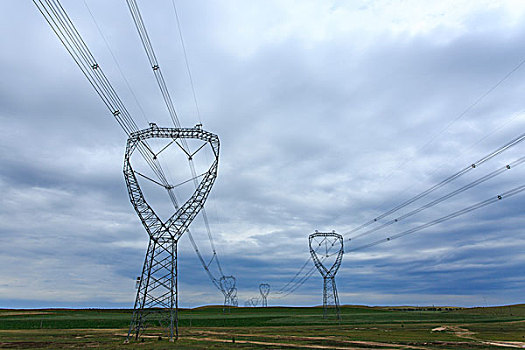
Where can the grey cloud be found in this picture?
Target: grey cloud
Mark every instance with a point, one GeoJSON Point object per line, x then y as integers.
{"type": "Point", "coordinates": [315, 134]}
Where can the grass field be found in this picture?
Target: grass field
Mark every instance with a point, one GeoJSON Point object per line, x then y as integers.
{"type": "Point", "coordinates": [274, 328]}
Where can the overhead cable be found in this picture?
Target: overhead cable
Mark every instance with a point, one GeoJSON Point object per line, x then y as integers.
{"type": "Point", "coordinates": [150, 53]}
{"type": "Point", "coordinates": [449, 179]}
{"type": "Point", "coordinates": [285, 287]}
{"type": "Point", "coordinates": [187, 63]}
{"type": "Point", "coordinates": [295, 282]}
{"type": "Point", "coordinates": [143, 114]}
{"type": "Point", "coordinates": [445, 197]}
{"type": "Point", "coordinates": [63, 27]}
{"type": "Point", "coordinates": [455, 214]}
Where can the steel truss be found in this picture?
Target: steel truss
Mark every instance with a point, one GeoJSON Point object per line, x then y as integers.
{"type": "Point", "coordinates": [264, 289]}
{"type": "Point", "coordinates": [228, 288]}
{"type": "Point", "coordinates": [252, 302]}
{"type": "Point", "coordinates": [333, 244]}
{"type": "Point", "coordinates": [156, 303]}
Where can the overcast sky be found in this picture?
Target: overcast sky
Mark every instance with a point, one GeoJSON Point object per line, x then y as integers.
{"type": "Point", "coordinates": [329, 114]}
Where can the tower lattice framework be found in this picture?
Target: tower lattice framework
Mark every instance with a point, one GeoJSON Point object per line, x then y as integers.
{"type": "Point", "coordinates": [323, 246]}
{"type": "Point", "coordinates": [156, 303]}
{"type": "Point", "coordinates": [264, 289]}
{"type": "Point", "coordinates": [228, 288]}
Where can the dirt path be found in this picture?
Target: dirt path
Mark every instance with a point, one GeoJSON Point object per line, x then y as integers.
{"type": "Point", "coordinates": [467, 334]}
{"type": "Point", "coordinates": [292, 345]}
{"type": "Point", "coordinates": [293, 341]}
{"type": "Point", "coordinates": [372, 344]}
{"type": "Point", "coordinates": [506, 344]}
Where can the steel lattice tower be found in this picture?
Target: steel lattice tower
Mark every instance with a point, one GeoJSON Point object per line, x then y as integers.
{"type": "Point", "coordinates": [156, 303]}
{"type": "Point", "coordinates": [264, 289]}
{"type": "Point", "coordinates": [331, 244]}
{"type": "Point", "coordinates": [227, 285]}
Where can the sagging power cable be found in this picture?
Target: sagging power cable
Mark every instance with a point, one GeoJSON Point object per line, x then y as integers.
{"type": "Point", "coordinates": [67, 33]}
{"type": "Point", "coordinates": [455, 214]}
{"type": "Point", "coordinates": [285, 286]}
{"type": "Point", "coordinates": [65, 30]}
{"type": "Point", "coordinates": [449, 179]}
{"type": "Point", "coordinates": [128, 85]}
{"type": "Point", "coordinates": [292, 285]}
{"type": "Point", "coordinates": [470, 185]}
{"type": "Point", "coordinates": [150, 53]}
{"type": "Point", "coordinates": [187, 62]}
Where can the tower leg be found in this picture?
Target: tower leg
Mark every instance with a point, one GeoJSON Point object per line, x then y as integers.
{"type": "Point", "coordinates": [330, 297]}
{"type": "Point", "coordinates": [156, 303]}
{"type": "Point", "coordinates": [325, 297]}
{"type": "Point", "coordinates": [336, 299]}
{"type": "Point", "coordinates": [176, 285]}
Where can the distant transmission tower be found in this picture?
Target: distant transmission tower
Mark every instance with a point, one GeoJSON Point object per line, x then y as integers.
{"type": "Point", "coordinates": [252, 302]}
{"type": "Point", "coordinates": [227, 285]}
{"type": "Point", "coordinates": [327, 245]}
{"type": "Point", "coordinates": [156, 303]}
{"type": "Point", "coordinates": [264, 289]}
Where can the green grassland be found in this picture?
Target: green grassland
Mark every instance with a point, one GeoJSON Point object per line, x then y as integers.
{"type": "Point", "coordinates": [274, 328]}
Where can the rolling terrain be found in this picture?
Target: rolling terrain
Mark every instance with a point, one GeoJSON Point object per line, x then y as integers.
{"type": "Point", "coordinates": [275, 328]}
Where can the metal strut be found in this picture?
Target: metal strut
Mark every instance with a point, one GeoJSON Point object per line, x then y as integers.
{"type": "Point", "coordinates": [156, 303]}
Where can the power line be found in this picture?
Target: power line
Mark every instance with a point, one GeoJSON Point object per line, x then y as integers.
{"type": "Point", "coordinates": [449, 179]}
{"type": "Point", "coordinates": [445, 197]}
{"type": "Point", "coordinates": [143, 114]}
{"type": "Point", "coordinates": [65, 30]}
{"type": "Point", "coordinates": [187, 63]}
{"type": "Point", "coordinates": [299, 282]}
{"type": "Point", "coordinates": [74, 44]}
{"type": "Point", "coordinates": [477, 101]}
{"type": "Point", "coordinates": [466, 110]}
{"type": "Point", "coordinates": [283, 288]}
{"type": "Point", "coordinates": [455, 214]}
{"type": "Point", "coordinates": [67, 33]}
{"type": "Point", "coordinates": [150, 53]}
{"type": "Point", "coordinates": [290, 286]}
{"type": "Point", "coordinates": [295, 283]}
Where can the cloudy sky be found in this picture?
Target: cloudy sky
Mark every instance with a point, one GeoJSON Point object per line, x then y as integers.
{"type": "Point", "coordinates": [329, 113]}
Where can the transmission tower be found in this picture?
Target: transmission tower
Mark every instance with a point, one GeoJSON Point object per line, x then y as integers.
{"type": "Point", "coordinates": [327, 245]}
{"type": "Point", "coordinates": [227, 285]}
{"type": "Point", "coordinates": [156, 303]}
{"type": "Point", "coordinates": [264, 289]}
{"type": "Point", "coordinates": [254, 301]}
